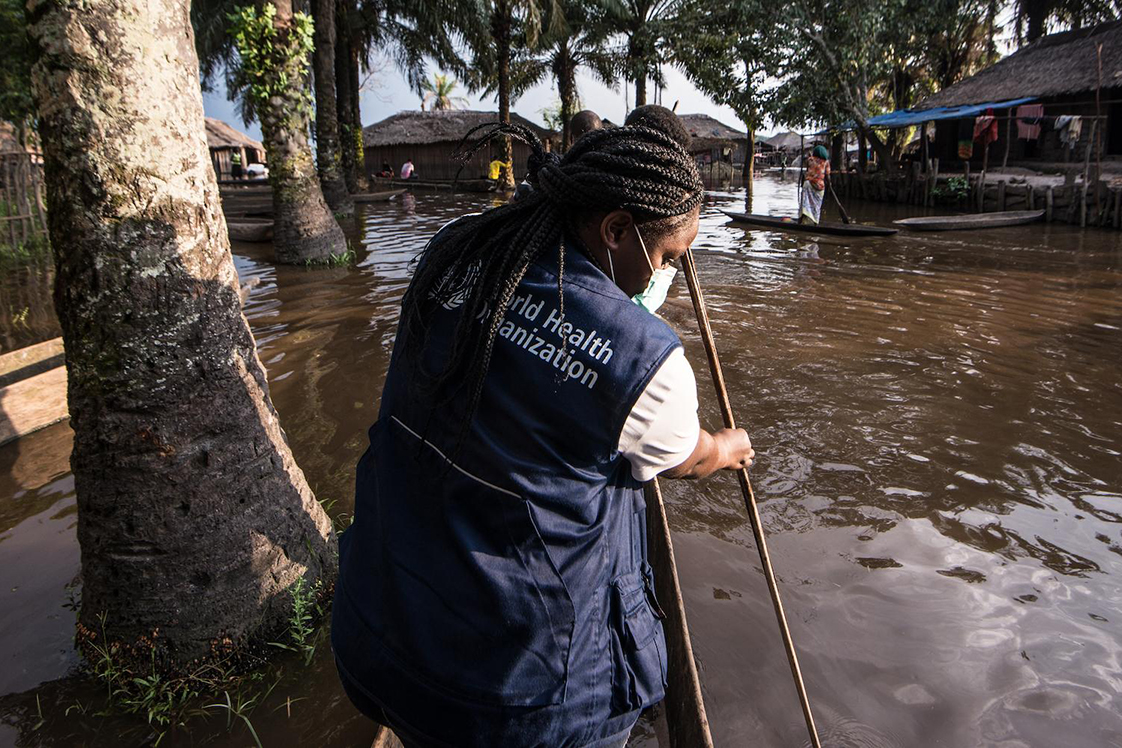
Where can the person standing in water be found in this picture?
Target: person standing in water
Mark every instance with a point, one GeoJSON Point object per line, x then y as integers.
{"type": "Point", "coordinates": [814, 190]}
{"type": "Point", "coordinates": [494, 589]}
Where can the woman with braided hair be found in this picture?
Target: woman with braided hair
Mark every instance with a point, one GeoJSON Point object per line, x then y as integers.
{"type": "Point", "coordinates": [494, 589]}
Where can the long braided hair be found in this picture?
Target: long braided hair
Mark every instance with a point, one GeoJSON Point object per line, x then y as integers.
{"type": "Point", "coordinates": [478, 261]}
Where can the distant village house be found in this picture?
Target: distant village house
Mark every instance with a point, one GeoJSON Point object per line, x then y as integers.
{"type": "Point", "coordinates": [224, 141]}
{"type": "Point", "coordinates": [429, 138]}
{"type": "Point", "coordinates": [1058, 74]}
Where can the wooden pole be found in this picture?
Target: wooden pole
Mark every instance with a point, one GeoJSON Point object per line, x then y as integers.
{"type": "Point", "coordinates": [1049, 199]}
{"type": "Point", "coordinates": [1008, 138]}
{"type": "Point", "coordinates": [690, 268]}
{"type": "Point", "coordinates": [1086, 174]}
{"type": "Point", "coordinates": [1098, 136]}
{"type": "Point", "coordinates": [982, 179]}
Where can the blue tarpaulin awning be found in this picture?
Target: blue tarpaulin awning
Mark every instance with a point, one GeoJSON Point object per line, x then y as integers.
{"type": "Point", "coordinates": [909, 117]}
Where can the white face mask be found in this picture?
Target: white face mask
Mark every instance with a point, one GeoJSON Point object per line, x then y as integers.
{"type": "Point", "coordinates": [655, 293]}
{"type": "Point", "coordinates": [652, 297]}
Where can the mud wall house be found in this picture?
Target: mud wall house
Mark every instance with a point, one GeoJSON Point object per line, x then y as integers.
{"type": "Point", "coordinates": [1058, 71]}
{"type": "Point", "coordinates": [224, 141]}
{"type": "Point", "coordinates": [713, 140]}
{"type": "Point", "coordinates": [428, 139]}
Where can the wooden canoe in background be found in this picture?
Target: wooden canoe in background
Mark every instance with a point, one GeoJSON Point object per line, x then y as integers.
{"type": "Point", "coordinates": [971, 221]}
{"type": "Point", "coordinates": [783, 223]}
{"type": "Point", "coordinates": [377, 197]}
{"type": "Point", "coordinates": [250, 229]}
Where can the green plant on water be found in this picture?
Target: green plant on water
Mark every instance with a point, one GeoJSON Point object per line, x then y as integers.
{"type": "Point", "coordinates": [165, 702]}
{"type": "Point", "coordinates": [240, 709]}
{"type": "Point", "coordinates": [335, 259]}
{"type": "Point", "coordinates": [302, 634]}
{"type": "Point", "coordinates": [952, 191]}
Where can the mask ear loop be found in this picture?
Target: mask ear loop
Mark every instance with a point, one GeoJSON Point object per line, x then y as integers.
{"type": "Point", "coordinates": [611, 267]}
{"type": "Point", "coordinates": [643, 246]}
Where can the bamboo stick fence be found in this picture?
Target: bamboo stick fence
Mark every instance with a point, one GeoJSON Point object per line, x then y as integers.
{"type": "Point", "coordinates": [23, 212]}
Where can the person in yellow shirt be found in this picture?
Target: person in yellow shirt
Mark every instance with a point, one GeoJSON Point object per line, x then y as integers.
{"type": "Point", "coordinates": [496, 169]}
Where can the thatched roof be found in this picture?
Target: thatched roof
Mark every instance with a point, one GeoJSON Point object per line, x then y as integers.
{"type": "Point", "coordinates": [785, 141]}
{"type": "Point", "coordinates": [420, 128]}
{"type": "Point", "coordinates": [220, 135]}
{"type": "Point", "coordinates": [704, 127]}
{"type": "Point", "coordinates": [1053, 65]}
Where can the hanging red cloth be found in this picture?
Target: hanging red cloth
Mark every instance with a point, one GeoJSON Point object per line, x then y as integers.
{"type": "Point", "coordinates": [985, 128]}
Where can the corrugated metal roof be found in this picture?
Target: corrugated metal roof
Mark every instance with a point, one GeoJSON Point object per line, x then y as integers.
{"type": "Point", "coordinates": [909, 117]}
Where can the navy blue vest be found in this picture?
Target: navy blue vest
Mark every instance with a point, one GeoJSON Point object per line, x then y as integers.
{"type": "Point", "coordinates": [504, 599]}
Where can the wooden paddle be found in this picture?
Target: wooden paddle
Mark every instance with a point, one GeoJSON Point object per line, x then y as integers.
{"type": "Point", "coordinates": [841, 208]}
{"type": "Point", "coordinates": [746, 489]}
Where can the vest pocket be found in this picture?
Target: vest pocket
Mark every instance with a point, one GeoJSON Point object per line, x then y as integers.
{"type": "Point", "coordinates": [637, 643]}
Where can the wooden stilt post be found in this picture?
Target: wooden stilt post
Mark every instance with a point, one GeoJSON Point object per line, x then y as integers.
{"type": "Point", "coordinates": [1008, 138]}
{"type": "Point", "coordinates": [1049, 200]}
{"type": "Point", "coordinates": [982, 179]}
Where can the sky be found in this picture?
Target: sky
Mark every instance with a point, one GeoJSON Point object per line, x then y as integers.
{"type": "Point", "coordinates": [387, 93]}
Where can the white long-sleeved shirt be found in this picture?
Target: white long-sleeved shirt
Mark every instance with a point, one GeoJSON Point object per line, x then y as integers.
{"type": "Point", "coordinates": [662, 429]}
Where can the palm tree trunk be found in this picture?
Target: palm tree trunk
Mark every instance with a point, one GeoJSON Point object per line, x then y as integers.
{"type": "Point", "coordinates": [327, 121]}
{"type": "Point", "coordinates": [193, 518]}
{"type": "Point", "coordinates": [501, 23]}
{"type": "Point", "coordinates": [304, 230]}
{"type": "Point", "coordinates": [345, 111]}
{"type": "Point", "coordinates": [355, 90]}
{"type": "Point", "coordinates": [567, 90]}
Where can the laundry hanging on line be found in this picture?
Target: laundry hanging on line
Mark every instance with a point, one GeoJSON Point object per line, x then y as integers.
{"type": "Point", "coordinates": [965, 139]}
{"type": "Point", "coordinates": [1029, 119]}
{"type": "Point", "coordinates": [1070, 128]}
{"type": "Point", "coordinates": [985, 128]}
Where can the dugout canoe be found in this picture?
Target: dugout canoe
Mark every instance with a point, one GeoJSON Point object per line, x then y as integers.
{"type": "Point", "coordinates": [250, 229]}
{"type": "Point", "coordinates": [377, 197]}
{"type": "Point", "coordinates": [971, 221]}
{"type": "Point", "coordinates": [784, 223]}
{"type": "Point", "coordinates": [683, 706]}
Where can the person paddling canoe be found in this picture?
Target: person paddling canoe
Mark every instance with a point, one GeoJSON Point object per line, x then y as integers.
{"type": "Point", "coordinates": [817, 173]}
{"type": "Point", "coordinates": [494, 588]}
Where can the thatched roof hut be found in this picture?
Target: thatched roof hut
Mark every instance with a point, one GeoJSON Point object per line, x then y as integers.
{"type": "Point", "coordinates": [1054, 65]}
{"type": "Point", "coordinates": [1058, 73]}
{"type": "Point", "coordinates": [422, 128]}
{"type": "Point", "coordinates": [713, 139]}
{"type": "Point", "coordinates": [785, 141]}
{"type": "Point", "coordinates": [707, 131]}
{"type": "Point", "coordinates": [428, 139]}
{"type": "Point", "coordinates": [220, 136]}
{"type": "Point", "coordinates": [224, 141]}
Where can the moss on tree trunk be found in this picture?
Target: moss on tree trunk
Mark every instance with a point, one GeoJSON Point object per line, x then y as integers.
{"type": "Point", "coordinates": [193, 518]}
{"type": "Point", "coordinates": [304, 228]}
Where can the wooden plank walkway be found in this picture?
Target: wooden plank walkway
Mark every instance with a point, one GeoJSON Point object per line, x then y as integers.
{"type": "Point", "coordinates": [32, 404]}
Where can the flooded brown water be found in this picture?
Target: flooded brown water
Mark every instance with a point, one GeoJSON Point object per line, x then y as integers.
{"type": "Point", "coordinates": [938, 419]}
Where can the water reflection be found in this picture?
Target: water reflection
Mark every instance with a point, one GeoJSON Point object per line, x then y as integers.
{"type": "Point", "coordinates": [938, 425]}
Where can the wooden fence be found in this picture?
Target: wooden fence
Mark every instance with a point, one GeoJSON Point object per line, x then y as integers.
{"type": "Point", "coordinates": [23, 212]}
{"type": "Point", "coordinates": [1085, 203]}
